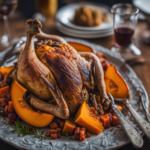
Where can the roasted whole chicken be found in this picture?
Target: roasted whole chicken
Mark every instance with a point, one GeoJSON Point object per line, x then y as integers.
{"type": "Point", "coordinates": [58, 77]}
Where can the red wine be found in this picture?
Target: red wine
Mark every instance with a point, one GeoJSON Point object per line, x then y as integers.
{"type": "Point", "coordinates": [6, 7]}
{"type": "Point", "coordinates": [123, 35]}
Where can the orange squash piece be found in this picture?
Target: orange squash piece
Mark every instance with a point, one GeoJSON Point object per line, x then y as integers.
{"type": "Point", "coordinates": [69, 127]}
{"type": "Point", "coordinates": [5, 92]}
{"type": "Point", "coordinates": [105, 119]}
{"type": "Point", "coordinates": [5, 70]}
{"type": "Point", "coordinates": [80, 47]}
{"type": "Point", "coordinates": [25, 112]}
{"type": "Point", "coordinates": [115, 84]}
{"type": "Point", "coordinates": [115, 121]}
{"type": "Point", "coordinates": [119, 107]}
{"type": "Point", "coordinates": [10, 107]}
{"type": "Point", "coordinates": [86, 118]}
{"type": "Point", "coordinates": [112, 112]}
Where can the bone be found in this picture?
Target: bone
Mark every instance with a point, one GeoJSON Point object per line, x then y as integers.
{"type": "Point", "coordinates": [94, 103]}
{"type": "Point", "coordinates": [43, 35]}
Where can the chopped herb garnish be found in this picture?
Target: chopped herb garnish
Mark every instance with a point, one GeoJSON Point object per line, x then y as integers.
{"type": "Point", "coordinates": [66, 134]}
{"type": "Point", "coordinates": [95, 15]}
{"type": "Point", "coordinates": [22, 130]}
{"type": "Point", "coordinates": [15, 63]}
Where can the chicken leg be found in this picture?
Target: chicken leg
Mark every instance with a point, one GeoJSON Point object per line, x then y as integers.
{"type": "Point", "coordinates": [36, 77]}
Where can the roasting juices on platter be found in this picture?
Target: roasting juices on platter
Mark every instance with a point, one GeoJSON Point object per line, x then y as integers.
{"type": "Point", "coordinates": [51, 69]}
{"type": "Point", "coordinates": [123, 35]}
{"type": "Point", "coordinates": [6, 6]}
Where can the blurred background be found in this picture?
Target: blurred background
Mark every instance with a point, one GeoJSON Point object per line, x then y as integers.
{"type": "Point", "coordinates": [14, 13]}
{"type": "Point", "coordinates": [27, 7]}
{"type": "Point", "coordinates": [13, 18]}
{"type": "Point", "coordinates": [45, 12]}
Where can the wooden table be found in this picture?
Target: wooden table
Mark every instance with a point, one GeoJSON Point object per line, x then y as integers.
{"type": "Point", "coordinates": [18, 29]}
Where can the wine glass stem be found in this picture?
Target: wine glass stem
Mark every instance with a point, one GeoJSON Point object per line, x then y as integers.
{"type": "Point", "coordinates": [6, 37]}
{"type": "Point", "coordinates": [149, 30]}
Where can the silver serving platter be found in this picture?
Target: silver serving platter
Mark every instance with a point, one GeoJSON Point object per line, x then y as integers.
{"type": "Point", "coordinates": [107, 140]}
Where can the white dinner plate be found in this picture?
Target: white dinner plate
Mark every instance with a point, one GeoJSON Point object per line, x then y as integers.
{"type": "Point", "coordinates": [65, 16]}
{"type": "Point", "coordinates": [58, 24]}
{"type": "Point", "coordinates": [109, 139]}
{"type": "Point", "coordinates": [144, 5]}
{"type": "Point", "coordinates": [86, 35]}
{"type": "Point", "coordinates": [90, 36]}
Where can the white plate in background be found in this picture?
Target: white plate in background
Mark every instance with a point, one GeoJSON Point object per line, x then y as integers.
{"type": "Point", "coordinates": [143, 5]}
{"type": "Point", "coordinates": [81, 34]}
{"type": "Point", "coordinates": [58, 24]}
{"type": "Point", "coordinates": [65, 16]}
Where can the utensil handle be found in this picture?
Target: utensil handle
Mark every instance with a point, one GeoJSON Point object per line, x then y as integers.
{"type": "Point", "coordinates": [135, 138]}
{"type": "Point", "coordinates": [134, 49]}
{"type": "Point", "coordinates": [144, 125]}
{"type": "Point", "coordinates": [146, 112]}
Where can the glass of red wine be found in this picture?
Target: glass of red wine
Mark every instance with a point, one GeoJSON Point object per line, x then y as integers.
{"type": "Point", "coordinates": [125, 18]}
{"type": "Point", "coordinates": [6, 7]}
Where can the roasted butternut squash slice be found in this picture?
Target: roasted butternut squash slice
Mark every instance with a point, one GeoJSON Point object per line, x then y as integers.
{"type": "Point", "coordinates": [115, 83]}
{"type": "Point", "coordinates": [25, 112]}
{"type": "Point", "coordinates": [5, 70]}
{"type": "Point", "coordinates": [86, 118]}
{"type": "Point", "coordinates": [68, 127]}
{"type": "Point", "coordinates": [80, 47]}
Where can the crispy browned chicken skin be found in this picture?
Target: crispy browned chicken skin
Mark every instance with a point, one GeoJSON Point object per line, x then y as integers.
{"type": "Point", "coordinates": [59, 73]}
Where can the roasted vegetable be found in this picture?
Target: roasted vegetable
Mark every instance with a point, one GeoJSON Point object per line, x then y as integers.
{"type": "Point", "coordinates": [68, 127]}
{"type": "Point", "coordinates": [25, 111]}
{"type": "Point", "coordinates": [86, 118]}
{"type": "Point", "coordinates": [115, 84]}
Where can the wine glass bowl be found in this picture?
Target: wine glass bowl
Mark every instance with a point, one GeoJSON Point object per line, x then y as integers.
{"type": "Point", "coordinates": [125, 18]}
{"type": "Point", "coordinates": [6, 7]}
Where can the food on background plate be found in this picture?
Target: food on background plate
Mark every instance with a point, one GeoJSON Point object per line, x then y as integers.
{"type": "Point", "coordinates": [87, 16]}
{"type": "Point", "coordinates": [52, 80]}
